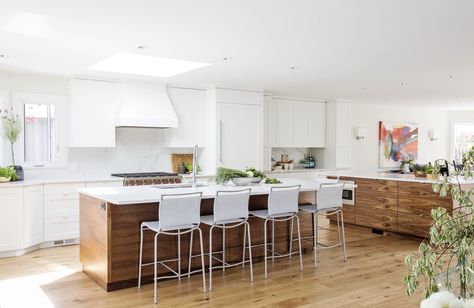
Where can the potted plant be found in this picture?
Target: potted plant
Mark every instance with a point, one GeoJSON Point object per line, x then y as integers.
{"type": "Point", "coordinates": [406, 163]}
{"type": "Point", "coordinates": [432, 171]}
{"type": "Point", "coordinates": [445, 259]}
{"type": "Point", "coordinates": [7, 174]}
{"type": "Point", "coordinates": [11, 130]}
{"type": "Point", "coordinates": [419, 170]}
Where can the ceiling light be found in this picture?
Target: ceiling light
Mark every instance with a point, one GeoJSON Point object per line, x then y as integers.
{"type": "Point", "coordinates": [136, 64]}
{"type": "Point", "coordinates": [291, 87]}
{"type": "Point", "coordinates": [227, 58]}
{"type": "Point", "coordinates": [403, 83]}
{"type": "Point", "coordinates": [451, 76]}
{"type": "Point", "coordinates": [296, 67]}
{"type": "Point", "coordinates": [143, 47]}
{"type": "Point", "coordinates": [3, 56]}
{"type": "Point", "coordinates": [28, 24]}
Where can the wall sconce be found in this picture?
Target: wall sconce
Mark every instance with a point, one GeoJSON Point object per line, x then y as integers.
{"type": "Point", "coordinates": [360, 133]}
{"type": "Point", "coordinates": [433, 134]}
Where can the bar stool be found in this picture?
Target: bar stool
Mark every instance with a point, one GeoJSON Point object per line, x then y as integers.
{"type": "Point", "coordinates": [328, 202]}
{"type": "Point", "coordinates": [178, 214]}
{"type": "Point", "coordinates": [231, 210]}
{"type": "Point", "coordinates": [282, 206]}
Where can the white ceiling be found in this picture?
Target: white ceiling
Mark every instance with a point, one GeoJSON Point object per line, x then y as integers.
{"type": "Point", "coordinates": [380, 51]}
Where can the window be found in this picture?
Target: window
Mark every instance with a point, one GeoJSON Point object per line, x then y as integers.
{"type": "Point", "coordinates": [43, 142]}
{"type": "Point", "coordinates": [463, 139]}
{"type": "Point", "coordinates": [39, 141]}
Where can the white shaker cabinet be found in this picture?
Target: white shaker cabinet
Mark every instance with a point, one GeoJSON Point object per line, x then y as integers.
{"type": "Point", "coordinates": [11, 218]}
{"type": "Point", "coordinates": [61, 211]}
{"type": "Point", "coordinates": [190, 107]}
{"type": "Point", "coordinates": [32, 215]}
{"type": "Point", "coordinates": [298, 123]}
{"type": "Point", "coordinates": [240, 132]}
{"type": "Point", "coordinates": [93, 107]}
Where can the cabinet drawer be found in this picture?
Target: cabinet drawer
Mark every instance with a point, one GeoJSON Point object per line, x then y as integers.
{"type": "Point", "coordinates": [67, 188]}
{"type": "Point", "coordinates": [376, 186]}
{"type": "Point", "coordinates": [61, 205]}
{"type": "Point", "coordinates": [61, 228]}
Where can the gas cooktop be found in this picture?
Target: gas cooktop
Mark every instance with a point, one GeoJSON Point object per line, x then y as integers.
{"type": "Point", "coordinates": [143, 174]}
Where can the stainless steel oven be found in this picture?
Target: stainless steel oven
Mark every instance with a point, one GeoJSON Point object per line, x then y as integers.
{"type": "Point", "coordinates": [348, 193]}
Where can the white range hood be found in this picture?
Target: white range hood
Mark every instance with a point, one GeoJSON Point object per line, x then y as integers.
{"type": "Point", "coordinates": [146, 104]}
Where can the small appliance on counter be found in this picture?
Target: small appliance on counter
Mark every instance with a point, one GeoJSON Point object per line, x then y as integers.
{"type": "Point", "coordinates": [149, 178]}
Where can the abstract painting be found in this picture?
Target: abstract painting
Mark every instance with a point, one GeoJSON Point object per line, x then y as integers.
{"type": "Point", "coordinates": [396, 141]}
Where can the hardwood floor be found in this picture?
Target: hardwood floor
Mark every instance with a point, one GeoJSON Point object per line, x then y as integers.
{"type": "Point", "coordinates": [371, 277]}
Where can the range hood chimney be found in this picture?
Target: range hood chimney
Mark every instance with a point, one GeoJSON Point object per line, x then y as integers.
{"type": "Point", "coordinates": [146, 104]}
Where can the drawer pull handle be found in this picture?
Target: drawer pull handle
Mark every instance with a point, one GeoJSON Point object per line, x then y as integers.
{"type": "Point", "coordinates": [103, 205]}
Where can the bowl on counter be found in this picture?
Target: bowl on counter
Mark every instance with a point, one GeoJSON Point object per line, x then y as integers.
{"type": "Point", "coordinates": [244, 181]}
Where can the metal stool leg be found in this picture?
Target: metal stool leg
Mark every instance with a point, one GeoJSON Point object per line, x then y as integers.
{"type": "Point", "coordinates": [343, 237]}
{"type": "Point", "coordinates": [299, 241]}
{"type": "Point", "coordinates": [315, 237]}
{"type": "Point", "coordinates": [210, 258]}
{"type": "Point", "coordinates": [273, 241]}
{"type": "Point", "coordinates": [190, 253]}
{"type": "Point", "coordinates": [179, 255]}
{"type": "Point", "coordinates": [155, 248]}
{"type": "Point", "coordinates": [338, 227]}
{"type": "Point", "coordinates": [223, 248]}
{"type": "Point", "coordinates": [243, 250]}
{"type": "Point", "coordinates": [202, 261]}
{"type": "Point", "coordinates": [291, 237]}
{"type": "Point", "coordinates": [265, 245]}
{"type": "Point", "coordinates": [250, 250]}
{"type": "Point", "coordinates": [141, 257]}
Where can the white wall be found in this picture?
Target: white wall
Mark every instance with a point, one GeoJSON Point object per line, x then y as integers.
{"type": "Point", "coordinates": [365, 152]}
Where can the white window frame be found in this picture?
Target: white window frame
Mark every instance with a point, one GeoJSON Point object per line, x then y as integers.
{"type": "Point", "coordinates": [453, 135]}
{"type": "Point", "coordinates": [60, 113]}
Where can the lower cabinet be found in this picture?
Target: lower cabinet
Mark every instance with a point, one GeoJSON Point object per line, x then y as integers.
{"type": "Point", "coordinates": [415, 202]}
{"type": "Point", "coordinates": [11, 218]}
{"type": "Point", "coordinates": [33, 215]}
{"type": "Point", "coordinates": [376, 204]}
{"type": "Point", "coordinates": [396, 206]}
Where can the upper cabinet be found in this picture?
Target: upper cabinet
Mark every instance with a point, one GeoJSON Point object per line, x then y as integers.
{"type": "Point", "coordinates": [190, 107]}
{"type": "Point", "coordinates": [93, 107]}
{"type": "Point", "coordinates": [294, 123]}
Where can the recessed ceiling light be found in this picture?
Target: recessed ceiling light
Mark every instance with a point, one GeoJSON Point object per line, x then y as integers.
{"type": "Point", "coordinates": [295, 67]}
{"type": "Point", "coordinates": [451, 76]}
{"type": "Point", "coordinates": [3, 56]}
{"type": "Point", "coordinates": [136, 64]}
{"type": "Point", "coordinates": [143, 47]}
{"type": "Point", "coordinates": [227, 58]}
{"type": "Point", "coordinates": [291, 87]}
{"type": "Point", "coordinates": [403, 83]}
{"type": "Point", "coordinates": [28, 24]}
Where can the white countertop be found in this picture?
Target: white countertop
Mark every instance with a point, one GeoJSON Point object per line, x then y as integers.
{"type": "Point", "coordinates": [153, 193]}
{"type": "Point", "coordinates": [58, 180]}
{"type": "Point", "coordinates": [380, 176]}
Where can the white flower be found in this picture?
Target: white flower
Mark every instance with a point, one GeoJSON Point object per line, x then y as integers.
{"type": "Point", "coordinates": [250, 174]}
{"type": "Point", "coordinates": [443, 297]}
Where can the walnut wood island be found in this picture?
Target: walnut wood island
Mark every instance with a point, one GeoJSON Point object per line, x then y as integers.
{"type": "Point", "coordinates": [110, 221]}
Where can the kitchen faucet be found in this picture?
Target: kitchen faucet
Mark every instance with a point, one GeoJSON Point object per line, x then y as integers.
{"type": "Point", "coordinates": [195, 165]}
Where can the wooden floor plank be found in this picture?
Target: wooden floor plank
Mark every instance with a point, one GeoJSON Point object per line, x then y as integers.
{"type": "Point", "coordinates": [371, 277]}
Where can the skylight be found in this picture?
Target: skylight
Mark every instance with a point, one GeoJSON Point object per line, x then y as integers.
{"type": "Point", "coordinates": [136, 64]}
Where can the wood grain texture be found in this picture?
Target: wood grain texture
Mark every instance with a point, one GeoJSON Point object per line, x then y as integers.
{"type": "Point", "coordinates": [377, 204]}
{"type": "Point", "coordinates": [117, 259]}
{"type": "Point", "coordinates": [415, 202]}
{"type": "Point", "coordinates": [94, 247]}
